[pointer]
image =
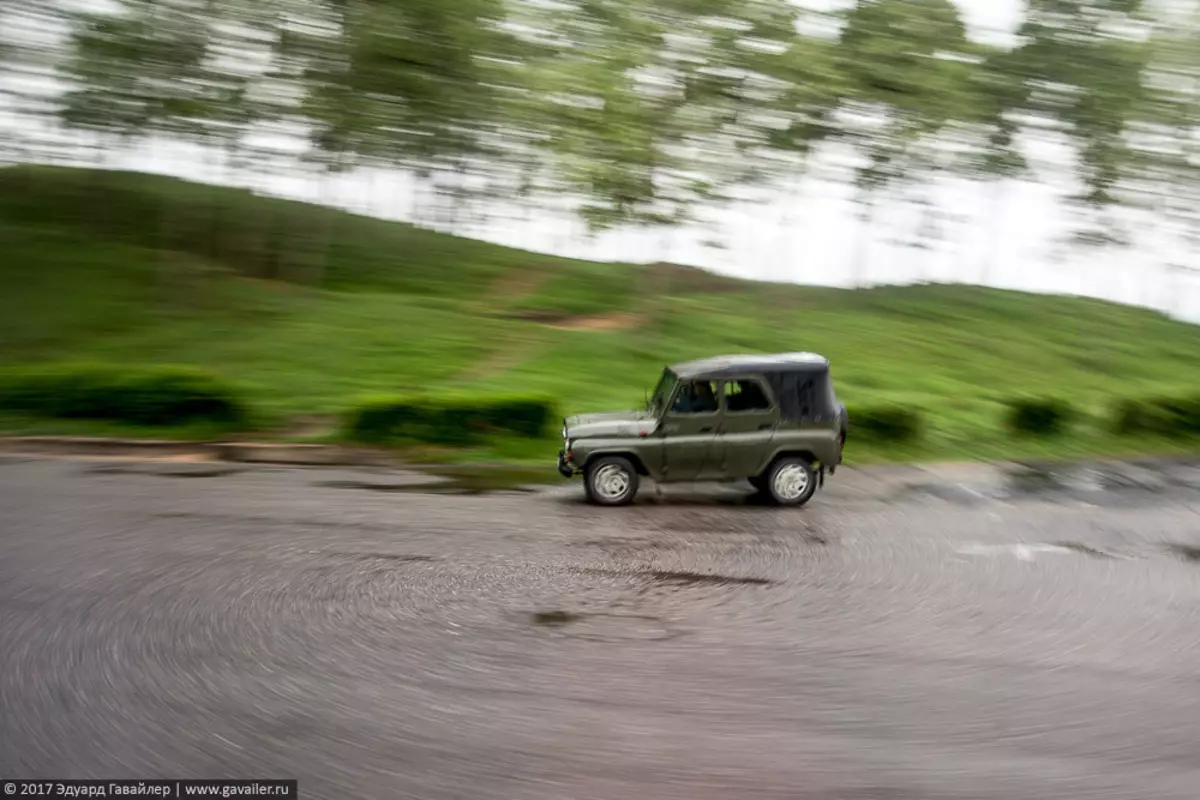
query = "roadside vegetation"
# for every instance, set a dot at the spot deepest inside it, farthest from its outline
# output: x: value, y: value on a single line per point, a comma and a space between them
x: 458, y: 349
x: 134, y: 302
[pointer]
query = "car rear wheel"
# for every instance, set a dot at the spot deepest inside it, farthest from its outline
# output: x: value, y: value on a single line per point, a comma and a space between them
x: 791, y: 481
x: 611, y: 481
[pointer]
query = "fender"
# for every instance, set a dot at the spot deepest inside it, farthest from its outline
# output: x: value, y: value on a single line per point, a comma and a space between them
x: 817, y: 446
x: 633, y: 449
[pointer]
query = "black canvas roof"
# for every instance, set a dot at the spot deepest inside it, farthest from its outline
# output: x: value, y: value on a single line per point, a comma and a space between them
x: 720, y: 366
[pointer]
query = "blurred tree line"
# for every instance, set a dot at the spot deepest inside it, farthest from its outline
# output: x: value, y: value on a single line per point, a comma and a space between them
x: 648, y: 110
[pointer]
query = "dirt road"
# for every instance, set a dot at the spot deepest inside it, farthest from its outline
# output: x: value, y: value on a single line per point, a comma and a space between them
x: 374, y: 634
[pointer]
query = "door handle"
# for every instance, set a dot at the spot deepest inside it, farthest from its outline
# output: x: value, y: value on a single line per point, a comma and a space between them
x: 706, y: 429
x: 765, y: 427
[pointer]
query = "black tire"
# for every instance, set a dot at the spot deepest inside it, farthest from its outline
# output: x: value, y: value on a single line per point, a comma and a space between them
x: 605, y: 474
x: 787, y: 474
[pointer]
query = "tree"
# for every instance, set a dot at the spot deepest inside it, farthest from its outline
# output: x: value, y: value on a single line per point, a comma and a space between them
x: 656, y: 107
x: 991, y: 136
x: 1166, y: 141
x: 907, y: 81
x: 404, y: 83
x: 154, y: 67
x: 814, y: 86
x: 26, y: 30
x: 1079, y: 69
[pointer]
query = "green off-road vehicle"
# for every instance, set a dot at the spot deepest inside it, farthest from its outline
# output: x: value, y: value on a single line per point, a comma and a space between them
x: 773, y: 420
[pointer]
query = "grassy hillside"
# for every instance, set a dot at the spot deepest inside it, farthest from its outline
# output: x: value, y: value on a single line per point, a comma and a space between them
x: 141, y: 269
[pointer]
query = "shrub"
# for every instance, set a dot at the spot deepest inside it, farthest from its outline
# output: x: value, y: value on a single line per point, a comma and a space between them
x: 892, y: 423
x: 1162, y: 416
x: 1039, y: 416
x: 139, y: 395
x: 448, y: 420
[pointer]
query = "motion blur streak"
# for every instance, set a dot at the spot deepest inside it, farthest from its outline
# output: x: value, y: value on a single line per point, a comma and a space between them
x: 377, y: 636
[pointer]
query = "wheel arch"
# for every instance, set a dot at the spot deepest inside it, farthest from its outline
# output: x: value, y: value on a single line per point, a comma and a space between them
x: 787, y: 452
x: 633, y: 458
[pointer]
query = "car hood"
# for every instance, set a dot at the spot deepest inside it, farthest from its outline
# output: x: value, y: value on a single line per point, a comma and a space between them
x: 613, y: 423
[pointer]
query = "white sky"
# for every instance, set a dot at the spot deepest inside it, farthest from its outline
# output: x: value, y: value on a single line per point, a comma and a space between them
x: 810, y: 234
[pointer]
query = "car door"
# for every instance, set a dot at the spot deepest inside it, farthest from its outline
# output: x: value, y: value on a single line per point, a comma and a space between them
x: 688, y: 437
x: 750, y: 417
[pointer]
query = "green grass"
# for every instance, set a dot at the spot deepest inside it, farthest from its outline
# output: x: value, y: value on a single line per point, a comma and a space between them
x: 139, y: 269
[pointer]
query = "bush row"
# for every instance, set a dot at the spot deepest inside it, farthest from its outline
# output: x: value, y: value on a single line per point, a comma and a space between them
x: 448, y: 420
x: 169, y: 395
x: 885, y: 423
x: 137, y: 395
x: 1167, y: 416
x: 1170, y: 417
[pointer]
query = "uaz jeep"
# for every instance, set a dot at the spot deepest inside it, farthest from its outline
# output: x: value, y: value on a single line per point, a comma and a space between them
x: 773, y: 420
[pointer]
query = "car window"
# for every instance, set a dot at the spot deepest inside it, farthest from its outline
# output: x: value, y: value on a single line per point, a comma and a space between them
x: 745, y: 395
x: 696, y: 397
x: 666, y: 385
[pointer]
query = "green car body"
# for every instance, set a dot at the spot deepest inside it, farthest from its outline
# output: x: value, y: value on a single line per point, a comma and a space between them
x: 764, y: 411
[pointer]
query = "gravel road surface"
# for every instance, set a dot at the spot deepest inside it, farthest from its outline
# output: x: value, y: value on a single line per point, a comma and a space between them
x: 950, y: 634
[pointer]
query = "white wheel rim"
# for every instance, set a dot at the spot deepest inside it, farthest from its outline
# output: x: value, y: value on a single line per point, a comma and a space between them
x: 611, y: 481
x: 791, y: 481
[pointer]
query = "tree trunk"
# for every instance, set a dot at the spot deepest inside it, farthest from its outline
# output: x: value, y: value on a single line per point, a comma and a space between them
x: 995, y: 204
x: 319, y: 256
x: 304, y: 247
x: 787, y: 227
x: 418, y: 201
x: 168, y: 259
x: 866, y: 218
x: 413, y: 199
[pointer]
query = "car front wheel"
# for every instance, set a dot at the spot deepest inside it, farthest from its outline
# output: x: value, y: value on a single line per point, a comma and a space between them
x: 791, y: 482
x: 611, y: 481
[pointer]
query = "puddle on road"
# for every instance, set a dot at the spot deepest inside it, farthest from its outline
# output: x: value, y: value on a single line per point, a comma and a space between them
x: 701, y: 578
x: 462, y: 481
x: 1099, y: 482
x: 1087, y: 550
x: 1029, y: 551
x: 1023, y: 552
x: 1034, y: 480
x: 556, y: 618
x: 250, y: 523
x: 950, y: 492
x: 1117, y: 476
x: 173, y: 471
x: 1188, y: 552
x: 606, y: 627
x: 394, y: 557
x: 680, y: 577
x: 697, y: 522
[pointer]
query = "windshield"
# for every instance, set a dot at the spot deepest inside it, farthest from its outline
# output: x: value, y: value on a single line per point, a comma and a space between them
x: 662, y: 392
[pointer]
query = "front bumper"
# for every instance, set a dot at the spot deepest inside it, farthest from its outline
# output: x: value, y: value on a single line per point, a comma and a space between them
x: 565, y: 466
